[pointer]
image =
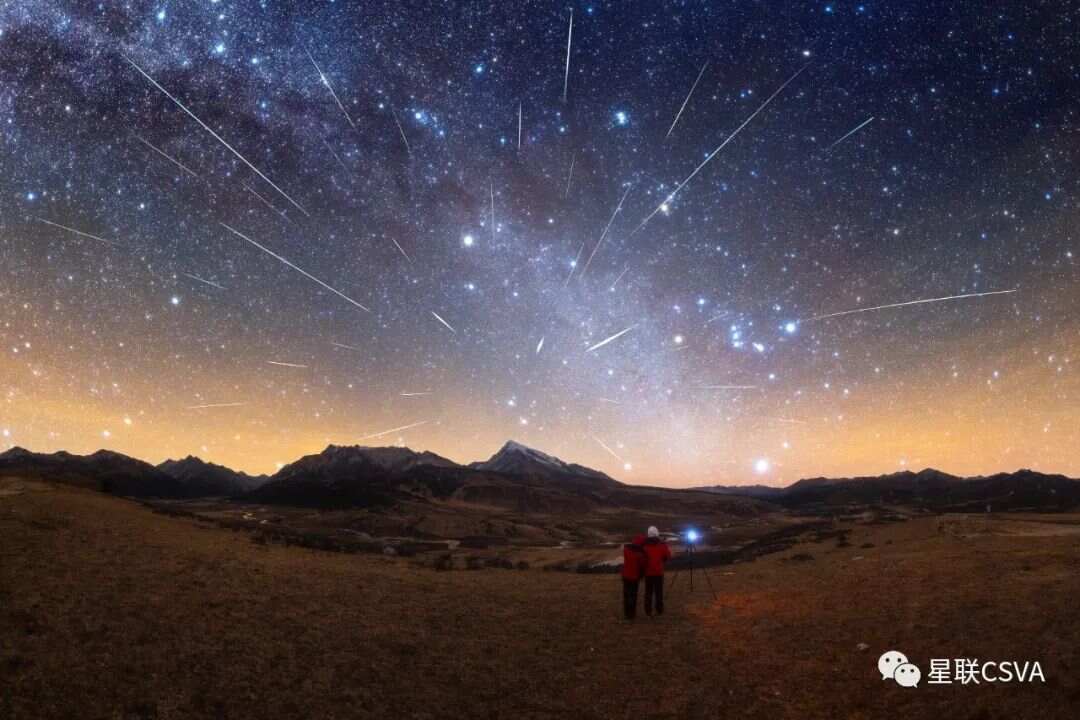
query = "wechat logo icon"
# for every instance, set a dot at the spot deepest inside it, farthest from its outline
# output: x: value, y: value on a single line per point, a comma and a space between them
x: 894, y: 665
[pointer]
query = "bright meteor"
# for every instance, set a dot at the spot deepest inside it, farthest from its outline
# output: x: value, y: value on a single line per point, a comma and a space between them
x: 214, y: 405
x: 909, y: 302
x: 303, y: 272
x: 394, y: 430
x: 217, y: 137
x: 687, y: 100
x: 851, y: 132
x: 331, y: 89
x: 211, y: 283
x: 168, y: 157
x: 569, y: 39
x: 616, y: 336
x: 667, y: 201
x: 77, y: 232
x: 448, y: 325
x: 604, y: 234
x: 609, y: 450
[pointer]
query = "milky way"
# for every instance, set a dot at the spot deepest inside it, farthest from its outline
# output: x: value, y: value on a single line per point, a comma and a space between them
x: 436, y: 172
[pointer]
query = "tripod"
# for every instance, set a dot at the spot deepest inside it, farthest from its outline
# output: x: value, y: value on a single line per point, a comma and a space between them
x: 689, y: 553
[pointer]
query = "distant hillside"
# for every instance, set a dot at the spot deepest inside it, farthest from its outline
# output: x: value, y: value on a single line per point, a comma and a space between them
x: 524, y: 480
x: 927, y: 489
x: 104, y: 470
x: 201, y: 478
x: 356, y: 476
x: 516, y: 478
x: 763, y: 492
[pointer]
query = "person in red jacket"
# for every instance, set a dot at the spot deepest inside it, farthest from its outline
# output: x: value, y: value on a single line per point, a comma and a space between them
x: 656, y: 554
x: 633, y: 569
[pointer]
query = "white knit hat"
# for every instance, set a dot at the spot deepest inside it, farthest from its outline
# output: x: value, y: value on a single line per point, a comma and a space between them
x: 653, y: 532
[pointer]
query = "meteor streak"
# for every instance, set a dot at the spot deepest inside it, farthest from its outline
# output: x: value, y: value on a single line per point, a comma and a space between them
x: 211, y: 283
x: 729, y: 387
x: 342, y: 345
x: 519, y: 126
x: 625, y: 269
x: 394, y: 430
x: 285, y: 364
x: 331, y: 89
x: 492, y: 213
x: 402, y: 131
x: 168, y: 157
x: 398, y: 246
x: 570, y: 176
x: 214, y: 405
x: 856, y: 129
x: 909, y: 302
x: 604, y: 234
x: 267, y: 203
x: 616, y: 336
x: 721, y: 316
x: 667, y: 201
x: 569, y: 38
x: 416, y: 394
x: 610, y: 451
x: 539, y: 346
x: 692, y: 88
x: 217, y: 137
x: 336, y: 156
x: 77, y: 232
x: 303, y: 272
x: 448, y: 326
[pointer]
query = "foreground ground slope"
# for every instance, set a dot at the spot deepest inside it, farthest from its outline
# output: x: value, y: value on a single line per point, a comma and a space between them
x: 108, y: 610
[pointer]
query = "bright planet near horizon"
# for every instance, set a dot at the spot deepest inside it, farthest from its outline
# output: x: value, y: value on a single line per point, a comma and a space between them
x: 683, y: 245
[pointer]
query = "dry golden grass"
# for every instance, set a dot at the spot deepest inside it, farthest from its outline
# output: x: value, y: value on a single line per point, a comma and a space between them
x: 789, y: 630
x: 110, y: 611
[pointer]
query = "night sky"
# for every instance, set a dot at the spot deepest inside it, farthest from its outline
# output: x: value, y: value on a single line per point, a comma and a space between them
x: 387, y: 240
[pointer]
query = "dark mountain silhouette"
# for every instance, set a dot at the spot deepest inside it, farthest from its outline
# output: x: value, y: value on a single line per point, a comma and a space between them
x: 201, y: 478
x: 516, y: 478
x: 524, y: 480
x: 104, y: 470
x: 927, y: 489
x: 350, y: 476
x: 763, y: 492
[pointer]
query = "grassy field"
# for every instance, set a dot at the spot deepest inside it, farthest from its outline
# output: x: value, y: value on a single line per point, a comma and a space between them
x: 108, y: 610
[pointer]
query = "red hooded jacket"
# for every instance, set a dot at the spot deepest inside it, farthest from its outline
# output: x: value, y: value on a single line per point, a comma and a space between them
x: 656, y: 554
x: 633, y: 559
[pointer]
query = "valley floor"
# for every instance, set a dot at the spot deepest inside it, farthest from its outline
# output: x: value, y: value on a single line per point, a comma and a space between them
x: 108, y: 610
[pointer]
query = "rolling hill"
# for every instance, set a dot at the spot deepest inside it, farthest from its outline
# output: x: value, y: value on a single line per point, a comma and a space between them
x: 928, y: 489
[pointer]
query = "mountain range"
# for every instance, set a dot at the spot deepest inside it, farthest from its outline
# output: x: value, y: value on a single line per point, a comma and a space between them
x: 927, y: 489
x: 522, y: 479
x: 517, y: 478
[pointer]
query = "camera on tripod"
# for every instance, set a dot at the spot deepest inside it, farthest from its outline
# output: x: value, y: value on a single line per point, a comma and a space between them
x: 691, y: 537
